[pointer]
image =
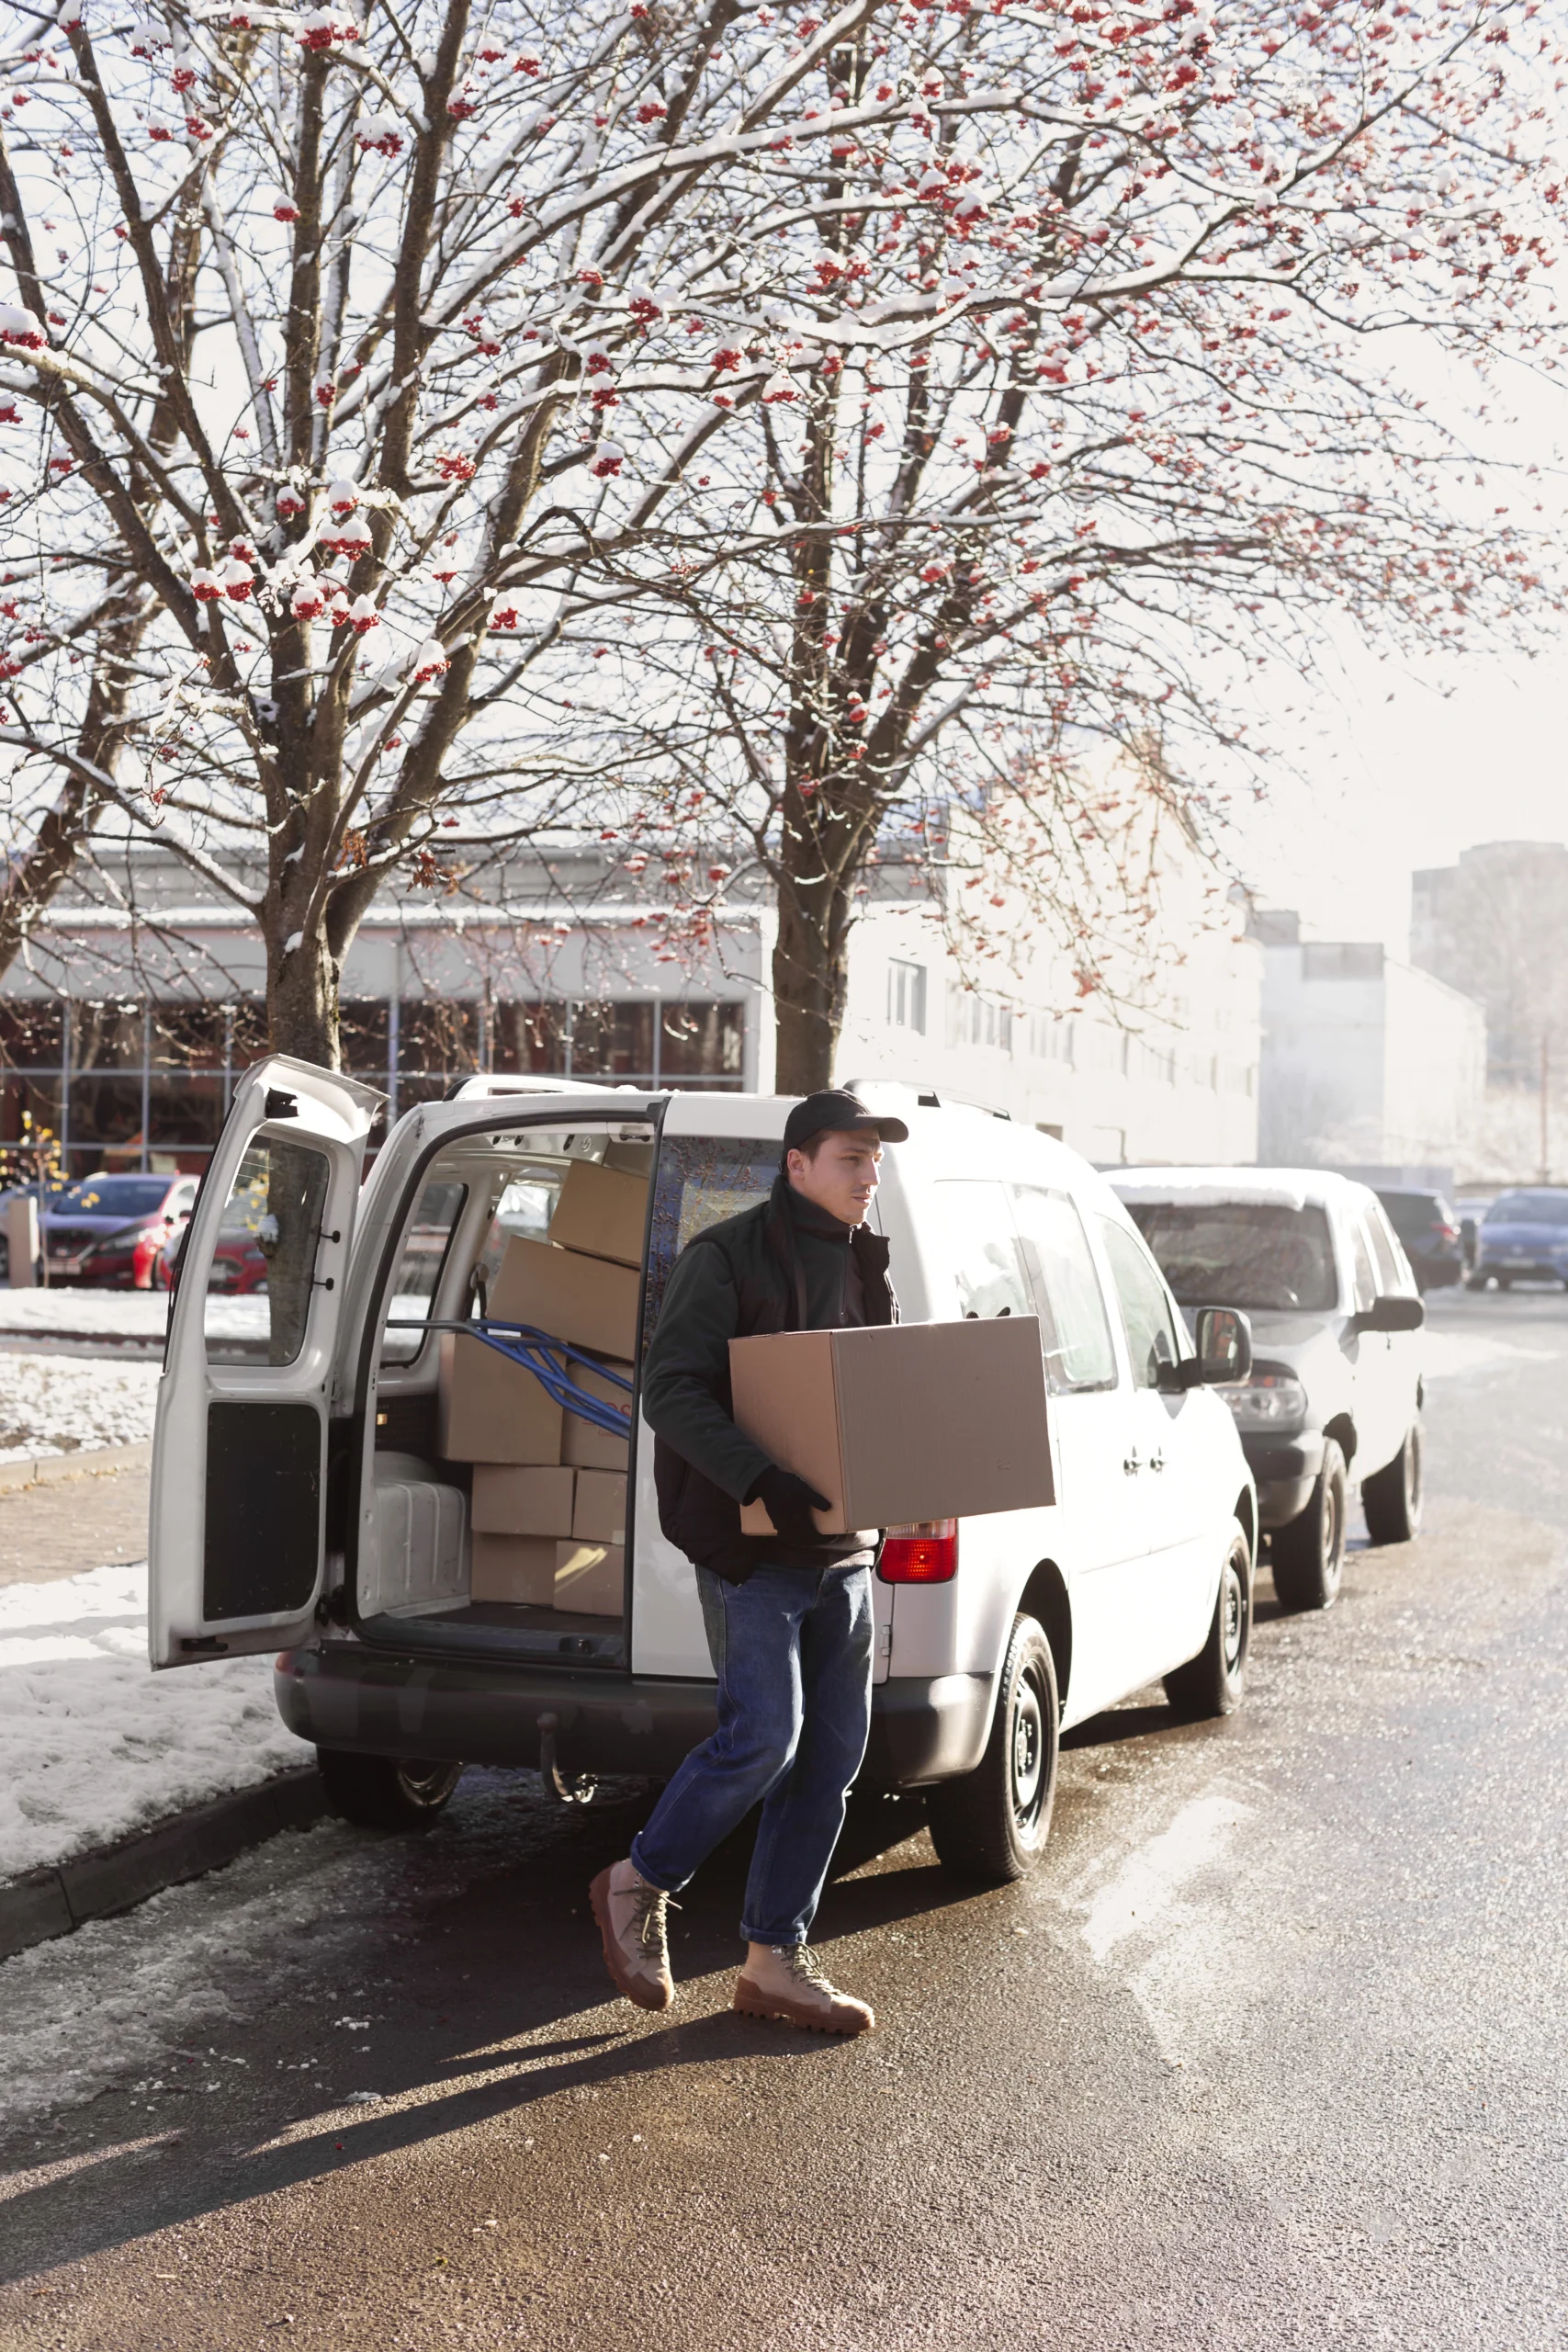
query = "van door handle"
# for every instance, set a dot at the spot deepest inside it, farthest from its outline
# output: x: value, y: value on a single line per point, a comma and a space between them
x: 1131, y: 1464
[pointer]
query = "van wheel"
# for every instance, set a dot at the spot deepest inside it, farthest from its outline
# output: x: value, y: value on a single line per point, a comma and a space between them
x: 1308, y: 1554
x: 1209, y: 1684
x: 385, y: 1791
x: 1394, y: 1498
x: 992, y: 1824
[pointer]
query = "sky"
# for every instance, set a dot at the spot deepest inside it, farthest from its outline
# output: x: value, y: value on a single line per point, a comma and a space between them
x: 1403, y: 774
x: 1400, y: 767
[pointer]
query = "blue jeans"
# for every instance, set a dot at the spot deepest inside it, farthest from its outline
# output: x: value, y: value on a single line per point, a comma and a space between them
x: 792, y: 1650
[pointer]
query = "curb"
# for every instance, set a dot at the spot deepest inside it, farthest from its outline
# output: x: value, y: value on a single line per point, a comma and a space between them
x: 87, y: 1462
x: 55, y: 1902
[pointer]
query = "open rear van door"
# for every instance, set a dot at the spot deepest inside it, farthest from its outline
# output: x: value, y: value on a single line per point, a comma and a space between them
x: 236, y: 1542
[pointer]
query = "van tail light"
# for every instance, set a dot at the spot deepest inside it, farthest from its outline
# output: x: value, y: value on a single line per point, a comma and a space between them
x: 925, y: 1553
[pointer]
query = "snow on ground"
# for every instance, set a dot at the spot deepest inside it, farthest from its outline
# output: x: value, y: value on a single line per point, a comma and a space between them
x: 93, y: 1745
x: 57, y: 1404
x: 187, y: 1966
x: 140, y: 1314
x: 126, y: 1314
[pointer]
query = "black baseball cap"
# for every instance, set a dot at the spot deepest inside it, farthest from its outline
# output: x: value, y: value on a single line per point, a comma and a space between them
x: 836, y: 1110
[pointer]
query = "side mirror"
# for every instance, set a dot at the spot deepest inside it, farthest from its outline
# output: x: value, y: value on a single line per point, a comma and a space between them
x: 1393, y: 1312
x: 1224, y: 1346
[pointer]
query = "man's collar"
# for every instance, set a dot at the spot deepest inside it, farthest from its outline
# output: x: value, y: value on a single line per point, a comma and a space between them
x: 820, y: 1221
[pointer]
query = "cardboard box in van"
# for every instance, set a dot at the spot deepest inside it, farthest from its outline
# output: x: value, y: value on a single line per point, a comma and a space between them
x: 591, y: 1577
x: 602, y: 1211
x: 592, y: 1302
x: 583, y: 1443
x: 516, y: 1500
x: 600, y: 1512
x: 899, y: 1421
x: 516, y: 1568
x: 492, y: 1410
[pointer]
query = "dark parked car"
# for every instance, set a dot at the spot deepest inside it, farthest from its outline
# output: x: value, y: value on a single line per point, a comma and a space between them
x: 1429, y: 1229
x: 108, y: 1230
x: 1524, y: 1238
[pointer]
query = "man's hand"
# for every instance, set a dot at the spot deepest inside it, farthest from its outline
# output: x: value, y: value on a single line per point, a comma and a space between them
x: 790, y: 1503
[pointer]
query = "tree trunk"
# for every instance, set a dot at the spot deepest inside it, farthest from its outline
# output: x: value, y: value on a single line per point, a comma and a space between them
x: 810, y: 977
x: 302, y: 1001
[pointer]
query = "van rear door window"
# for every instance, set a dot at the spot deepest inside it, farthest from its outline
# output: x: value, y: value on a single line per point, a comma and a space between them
x: 264, y: 1265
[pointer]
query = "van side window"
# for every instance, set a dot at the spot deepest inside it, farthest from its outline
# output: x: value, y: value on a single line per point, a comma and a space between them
x: 1147, y: 1311
x: 426, y: 1242
x: 980, y: 1243
x: 1366, y: 1281
x: 1394, y: 1273
x: 1073, y: 1327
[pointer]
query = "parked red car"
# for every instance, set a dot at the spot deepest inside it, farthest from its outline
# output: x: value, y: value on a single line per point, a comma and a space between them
x: 239, y: 1262
x: 111, y: 1230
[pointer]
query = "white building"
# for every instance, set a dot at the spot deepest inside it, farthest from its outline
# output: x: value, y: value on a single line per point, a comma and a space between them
x: 1174, y: 1077
x: 1369, y: 1065
x: 123, y: 1027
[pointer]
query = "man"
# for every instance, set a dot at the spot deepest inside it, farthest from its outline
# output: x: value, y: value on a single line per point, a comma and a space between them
x: 788, y: 1616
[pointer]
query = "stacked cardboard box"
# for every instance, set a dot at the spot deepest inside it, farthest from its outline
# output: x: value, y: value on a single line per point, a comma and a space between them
x: 549, y: 1492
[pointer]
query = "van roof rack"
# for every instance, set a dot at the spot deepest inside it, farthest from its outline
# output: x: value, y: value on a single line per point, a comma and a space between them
x: 961, y: 1102
x: 481, y: 1083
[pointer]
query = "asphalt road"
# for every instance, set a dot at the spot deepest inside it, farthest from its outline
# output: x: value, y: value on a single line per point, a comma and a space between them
x: 1269, y: 2054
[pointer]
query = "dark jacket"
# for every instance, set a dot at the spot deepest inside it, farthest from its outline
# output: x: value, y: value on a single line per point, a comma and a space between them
x: 781, y: 1266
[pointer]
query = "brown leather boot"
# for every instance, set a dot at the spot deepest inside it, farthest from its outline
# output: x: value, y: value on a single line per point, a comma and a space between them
x: 631, y: 1920
x: 785, y: 1981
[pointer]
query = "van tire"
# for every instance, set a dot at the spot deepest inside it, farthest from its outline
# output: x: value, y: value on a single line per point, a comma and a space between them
x: 385, y: 1791
x: 991, y: 1825
x: 1393, y: 1497
x: 1308, y: 1554
x: 1211, y: 1683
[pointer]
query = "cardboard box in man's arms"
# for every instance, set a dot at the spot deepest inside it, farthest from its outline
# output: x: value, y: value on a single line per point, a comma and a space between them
x: 899, y: 1423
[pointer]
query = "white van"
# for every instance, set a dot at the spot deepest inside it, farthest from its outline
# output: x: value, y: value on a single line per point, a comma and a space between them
x: 1336, y: 1389
x: 302, y: 1501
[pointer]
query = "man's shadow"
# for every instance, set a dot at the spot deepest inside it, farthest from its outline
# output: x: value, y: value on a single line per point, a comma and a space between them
x: 490, y: 2013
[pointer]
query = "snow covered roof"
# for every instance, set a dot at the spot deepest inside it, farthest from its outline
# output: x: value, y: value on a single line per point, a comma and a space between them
x: 1284, y: 1188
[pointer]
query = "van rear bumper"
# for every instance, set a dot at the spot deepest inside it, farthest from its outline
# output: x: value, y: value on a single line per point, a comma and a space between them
x: 341, y: 1695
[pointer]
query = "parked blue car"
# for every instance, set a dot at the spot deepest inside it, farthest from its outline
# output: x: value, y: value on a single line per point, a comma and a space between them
x: 1523, y: 1238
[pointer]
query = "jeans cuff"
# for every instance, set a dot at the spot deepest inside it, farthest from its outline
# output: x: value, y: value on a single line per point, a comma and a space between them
x: 652, y: 1877
x: 794, y: 1933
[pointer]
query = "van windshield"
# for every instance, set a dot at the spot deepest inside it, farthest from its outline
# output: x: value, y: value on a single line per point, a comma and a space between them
x: 1241, y: 1253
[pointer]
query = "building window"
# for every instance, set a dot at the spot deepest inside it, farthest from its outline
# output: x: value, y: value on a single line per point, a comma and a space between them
x: 906, y: 996
x: 1342, y: 960
x: 120, y: 1084
x: 976, y: 1020
x: 1051, y: 1037
x: 673, y: 1043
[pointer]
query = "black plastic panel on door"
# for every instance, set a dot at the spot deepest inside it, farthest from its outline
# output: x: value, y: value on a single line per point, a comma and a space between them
x: 264, y: 1508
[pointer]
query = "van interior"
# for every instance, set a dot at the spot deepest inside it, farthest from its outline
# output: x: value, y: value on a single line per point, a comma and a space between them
x: 493, y: 1513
